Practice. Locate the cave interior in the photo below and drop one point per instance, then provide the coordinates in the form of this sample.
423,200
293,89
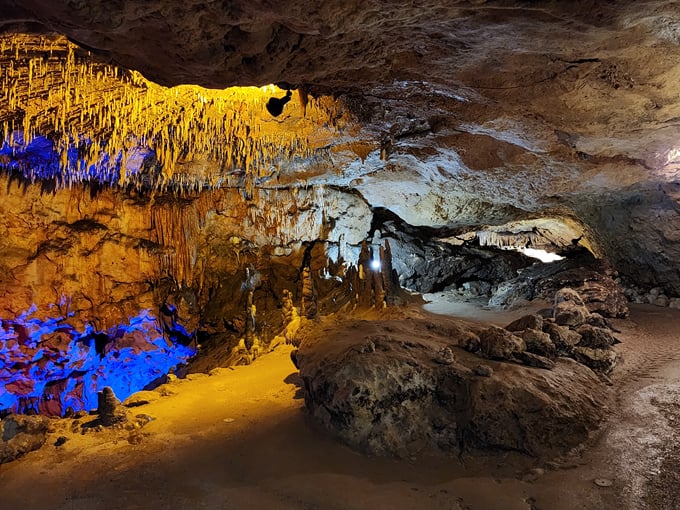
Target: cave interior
190,186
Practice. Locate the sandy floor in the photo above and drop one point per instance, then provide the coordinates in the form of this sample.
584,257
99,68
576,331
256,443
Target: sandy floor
239,439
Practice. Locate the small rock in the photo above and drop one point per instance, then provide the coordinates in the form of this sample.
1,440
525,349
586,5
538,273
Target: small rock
368,347
674,303
444,356
662,300
603,482
534,360
483,370
533,474
229,420
135,438
60,440
144,418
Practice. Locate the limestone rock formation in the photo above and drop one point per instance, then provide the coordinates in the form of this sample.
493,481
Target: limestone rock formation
398,398
21,434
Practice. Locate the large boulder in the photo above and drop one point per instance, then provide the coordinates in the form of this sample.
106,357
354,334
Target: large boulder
388,394
20,434
604,296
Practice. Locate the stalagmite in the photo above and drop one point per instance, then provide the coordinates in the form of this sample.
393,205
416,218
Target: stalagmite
364,291
309,306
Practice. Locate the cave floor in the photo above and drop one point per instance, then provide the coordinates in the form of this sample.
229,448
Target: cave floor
240,439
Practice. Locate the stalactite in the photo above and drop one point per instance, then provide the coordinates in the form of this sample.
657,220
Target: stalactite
53,89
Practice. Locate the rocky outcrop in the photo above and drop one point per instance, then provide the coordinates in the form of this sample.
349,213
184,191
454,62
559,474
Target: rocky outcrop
21,434
595,281
570,332
385,387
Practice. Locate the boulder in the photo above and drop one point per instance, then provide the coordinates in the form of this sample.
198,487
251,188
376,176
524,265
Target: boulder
397,400
538,342
498,343
20,434
595,338
469,341
569,309
568,295
527,322
595,319
564,339
546,412
599,360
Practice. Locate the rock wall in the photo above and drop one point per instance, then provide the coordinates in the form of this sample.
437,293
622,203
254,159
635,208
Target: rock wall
94,266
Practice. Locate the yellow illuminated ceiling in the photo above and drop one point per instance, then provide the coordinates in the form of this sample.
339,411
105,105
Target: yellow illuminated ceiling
49,87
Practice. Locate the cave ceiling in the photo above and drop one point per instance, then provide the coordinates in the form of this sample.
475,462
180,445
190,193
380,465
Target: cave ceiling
458,114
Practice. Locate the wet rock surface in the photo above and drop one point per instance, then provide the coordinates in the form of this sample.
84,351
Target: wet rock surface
398,398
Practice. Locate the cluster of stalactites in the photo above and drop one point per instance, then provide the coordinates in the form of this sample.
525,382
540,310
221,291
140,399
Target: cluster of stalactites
508,239
114,126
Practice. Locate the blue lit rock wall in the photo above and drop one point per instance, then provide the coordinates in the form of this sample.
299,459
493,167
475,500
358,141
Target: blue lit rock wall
48,366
